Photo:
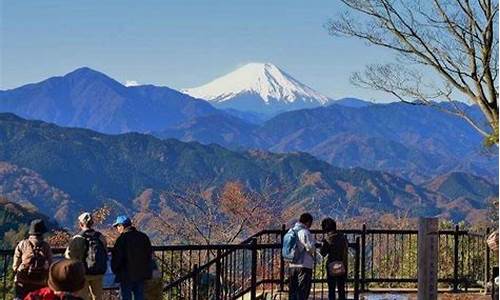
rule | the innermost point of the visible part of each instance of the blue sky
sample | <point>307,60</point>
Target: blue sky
<point>180,43</point>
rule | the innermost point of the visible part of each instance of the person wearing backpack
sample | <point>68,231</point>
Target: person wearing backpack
<point>89,247</point>
<point>32,258</point>
<point>299,251</point>
<point>131,259</point>
<point>335,248</point>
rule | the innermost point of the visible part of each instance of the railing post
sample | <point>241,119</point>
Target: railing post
<point>356,271</point>
<point>195,282</point>
<point>363,258</point>
<point>253,282</point>
<point>486,262</point>
<point>282,261</point>
<point>5,272</point>
<point>455,258</point>
<point>218,273</point>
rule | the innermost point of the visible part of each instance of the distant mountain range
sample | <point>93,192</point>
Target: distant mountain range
<point>415,142</point>
<point>69,165</point>
<point>90,99</point>
<point>260,88</point>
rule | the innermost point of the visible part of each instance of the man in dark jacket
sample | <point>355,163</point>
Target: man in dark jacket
<point>131,259</point>
<point>335,247</point>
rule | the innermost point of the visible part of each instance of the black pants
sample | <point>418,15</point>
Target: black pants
<point>299,283</point>
<point>339,283</point>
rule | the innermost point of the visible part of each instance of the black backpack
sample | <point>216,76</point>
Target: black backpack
<point>96,256</point>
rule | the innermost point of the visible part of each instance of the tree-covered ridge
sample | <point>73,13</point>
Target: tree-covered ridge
<point>15,220</point>
<point>94,169</point>
<point>416,142</point>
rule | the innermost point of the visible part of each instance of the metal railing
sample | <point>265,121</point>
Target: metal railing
<point>254,268</point>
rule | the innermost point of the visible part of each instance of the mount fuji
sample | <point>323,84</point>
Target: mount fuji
<point>259,87</point>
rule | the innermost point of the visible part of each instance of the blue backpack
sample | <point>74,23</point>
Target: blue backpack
<point>289,249</point>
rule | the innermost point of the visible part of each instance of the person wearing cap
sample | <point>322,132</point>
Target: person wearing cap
<point>32,258</point>
<point>84,247</point>
<point>66,278</point>
<point>131,259</point>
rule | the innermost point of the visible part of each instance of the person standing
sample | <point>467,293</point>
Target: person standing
<point>300,270</point>
<point>335,248</point>
<point>131,259</point>
<point>32,258</point>
<point>89,247</point>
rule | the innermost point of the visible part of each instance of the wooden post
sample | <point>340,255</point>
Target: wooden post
<point>427,258</point>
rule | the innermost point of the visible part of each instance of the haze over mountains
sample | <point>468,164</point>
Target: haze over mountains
<point>423,149</point>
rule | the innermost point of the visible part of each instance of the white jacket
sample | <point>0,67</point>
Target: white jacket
<point>305,246</point>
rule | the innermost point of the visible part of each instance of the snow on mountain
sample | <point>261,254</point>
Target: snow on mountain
<point>258,87</point>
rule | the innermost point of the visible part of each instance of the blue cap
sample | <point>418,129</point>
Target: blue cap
<point>122,220</point>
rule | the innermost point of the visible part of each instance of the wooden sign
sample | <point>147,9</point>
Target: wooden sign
<point>428,246</point>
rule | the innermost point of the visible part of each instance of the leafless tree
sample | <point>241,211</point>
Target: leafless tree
<point>454,39</point>
<point>208,215</point>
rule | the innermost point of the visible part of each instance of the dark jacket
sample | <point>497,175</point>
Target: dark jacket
<point>132,256</point>
<point>335,245</point>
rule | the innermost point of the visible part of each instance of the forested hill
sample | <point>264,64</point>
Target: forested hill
<point>93,169</point>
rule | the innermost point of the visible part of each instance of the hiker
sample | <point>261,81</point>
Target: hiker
<point>66,278</point>
<point>299,251</point>
<point>89,247</point>
<point>32,258</point>
<point>131,259</point>
<point>334,247</point>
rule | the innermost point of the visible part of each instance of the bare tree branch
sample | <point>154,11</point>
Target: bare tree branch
<point>454,39</point>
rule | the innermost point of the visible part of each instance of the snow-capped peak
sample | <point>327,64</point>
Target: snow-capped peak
<point>262,79</point>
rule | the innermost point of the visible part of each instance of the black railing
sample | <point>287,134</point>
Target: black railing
<point>254,268</point>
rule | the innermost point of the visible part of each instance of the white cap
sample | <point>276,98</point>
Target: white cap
<point>85,218</point>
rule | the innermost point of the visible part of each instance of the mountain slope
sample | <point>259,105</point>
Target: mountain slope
<point>94,168</point>
<point>418,142</point>
<point>89,99</point>
<point>457,184</point>
<point>27,188</point>
<point>16,219</point>
<point>258,87</point>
